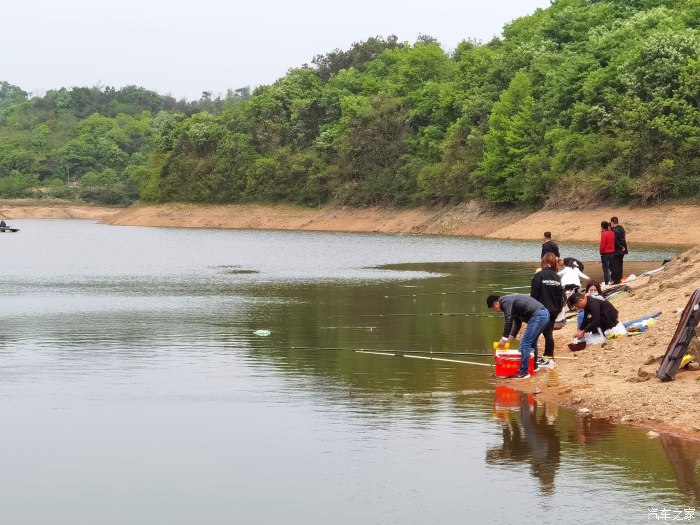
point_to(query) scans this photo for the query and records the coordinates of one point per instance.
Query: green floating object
(262, 332)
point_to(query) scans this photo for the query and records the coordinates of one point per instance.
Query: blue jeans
(534, 328)
(606, 260)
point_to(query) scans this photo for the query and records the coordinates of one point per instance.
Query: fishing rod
(463, 314)
(401, 353)
(379, 350)
(433, 293)
(425, 357)
(416, 315)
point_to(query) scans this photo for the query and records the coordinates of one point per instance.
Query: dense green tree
(359, 54)
(107, 187)
(510, 144)
(10, 96)
(16, 185)
(369, 154)
(595, 99)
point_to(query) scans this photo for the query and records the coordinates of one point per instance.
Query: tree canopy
(585, 98)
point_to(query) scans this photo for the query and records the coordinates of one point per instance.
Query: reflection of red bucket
(508, 363)
(507, 398)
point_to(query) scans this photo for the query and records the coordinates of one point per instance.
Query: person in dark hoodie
(549, 246)
(616, 265)
(517, 309)
(547, 289)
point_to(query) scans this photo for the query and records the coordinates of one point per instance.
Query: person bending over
(517, 309)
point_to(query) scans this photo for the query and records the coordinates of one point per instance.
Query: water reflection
(136, 353)
(684, 457)
(529, 435)
(590, 430)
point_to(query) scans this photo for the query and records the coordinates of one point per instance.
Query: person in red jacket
(607, 249)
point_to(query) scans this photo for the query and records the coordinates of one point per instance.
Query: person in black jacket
(616, 265)
(599, 316)
(549, 246)
(517, 309)
(547, 289)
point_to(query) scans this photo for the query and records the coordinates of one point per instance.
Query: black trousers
(616, 268)
(548, 335)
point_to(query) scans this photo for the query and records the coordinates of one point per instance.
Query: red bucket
(508, 363)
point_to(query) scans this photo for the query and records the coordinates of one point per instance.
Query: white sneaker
(545, 363)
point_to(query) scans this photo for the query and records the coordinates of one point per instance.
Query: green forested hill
(587, 100)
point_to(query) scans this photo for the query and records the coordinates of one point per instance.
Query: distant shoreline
(667, 225)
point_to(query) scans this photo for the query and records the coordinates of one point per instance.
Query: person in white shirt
(571, 277)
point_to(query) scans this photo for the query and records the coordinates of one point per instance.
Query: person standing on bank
(517, 309)
(547, 289)
(607, 250)
(549, 246)
(620, 251)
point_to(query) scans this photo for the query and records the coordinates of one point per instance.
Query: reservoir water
(175, 376)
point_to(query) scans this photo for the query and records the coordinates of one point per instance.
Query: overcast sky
(183, 48)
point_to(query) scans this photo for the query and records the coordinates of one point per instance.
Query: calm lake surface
(174, 376)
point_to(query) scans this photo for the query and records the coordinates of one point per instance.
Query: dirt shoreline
(670, 225)
(615, 381)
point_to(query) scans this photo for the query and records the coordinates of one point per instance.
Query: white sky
(184, 48)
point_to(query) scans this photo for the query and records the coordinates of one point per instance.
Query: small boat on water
(4, 229)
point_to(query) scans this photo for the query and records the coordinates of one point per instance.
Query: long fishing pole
(462, 314)
(433, 293)
(481, 354)
(398, 353)
(425, 357)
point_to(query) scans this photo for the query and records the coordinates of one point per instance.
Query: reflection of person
(546, 288)
(534, 439)
(590, 430)
(683, 456)
(620, 251)
(517, 309)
